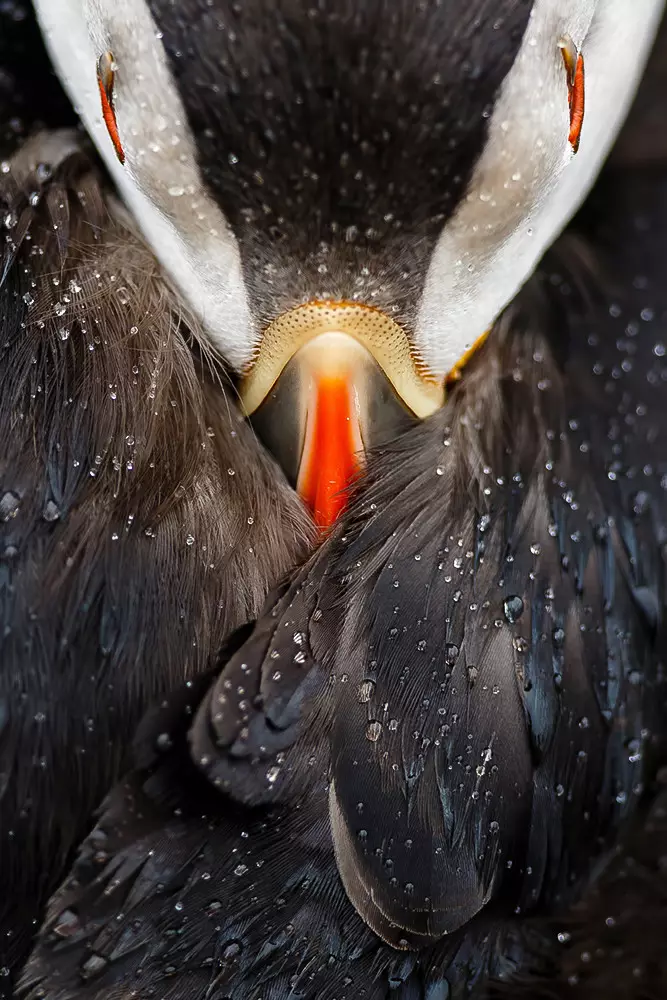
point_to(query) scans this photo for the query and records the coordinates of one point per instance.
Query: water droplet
(64, 333)
(240, 869)
(373, 731)
(164, 742)
(9, 506)
(231, 950)
(272, 774)
(190, 540)
(451, 653)
(366, 689)
(67, 924)
(93, 966)
(51, 512)
(60, 308)
(513, 608)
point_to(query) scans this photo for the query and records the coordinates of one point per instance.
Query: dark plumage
(466, 712)
(140, 520)
(354, 125)
(475, 657)
(30, 94)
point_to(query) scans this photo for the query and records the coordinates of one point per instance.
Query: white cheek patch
(527, 183)
(160, 180)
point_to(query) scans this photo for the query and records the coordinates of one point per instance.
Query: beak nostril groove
(383, 338)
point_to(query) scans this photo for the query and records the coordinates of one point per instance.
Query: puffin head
(348, 194)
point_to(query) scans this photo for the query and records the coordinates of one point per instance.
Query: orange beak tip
(330, 458)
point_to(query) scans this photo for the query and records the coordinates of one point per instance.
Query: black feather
(140, 520)
(460, 701)
(353, 123)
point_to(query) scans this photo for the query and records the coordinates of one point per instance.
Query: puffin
(348, 196)
(435, 766)
(444, 722)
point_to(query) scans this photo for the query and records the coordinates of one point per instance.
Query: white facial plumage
(525, 187)
(528, 182)
(160, 180)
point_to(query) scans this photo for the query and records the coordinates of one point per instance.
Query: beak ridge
(329, 381)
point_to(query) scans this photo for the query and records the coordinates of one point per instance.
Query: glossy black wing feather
(507, 543)
(209, 898)
(249, 733)
(542, 708)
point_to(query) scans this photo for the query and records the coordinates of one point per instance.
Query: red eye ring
(105, 81)
(574, 66)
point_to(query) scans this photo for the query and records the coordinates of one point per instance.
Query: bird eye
(574, 67)
(106, 71)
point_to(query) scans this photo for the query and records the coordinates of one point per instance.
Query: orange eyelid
(574, 66)
(105, 81)
(577, 103)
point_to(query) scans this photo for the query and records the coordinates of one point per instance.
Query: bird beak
(329, 381)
